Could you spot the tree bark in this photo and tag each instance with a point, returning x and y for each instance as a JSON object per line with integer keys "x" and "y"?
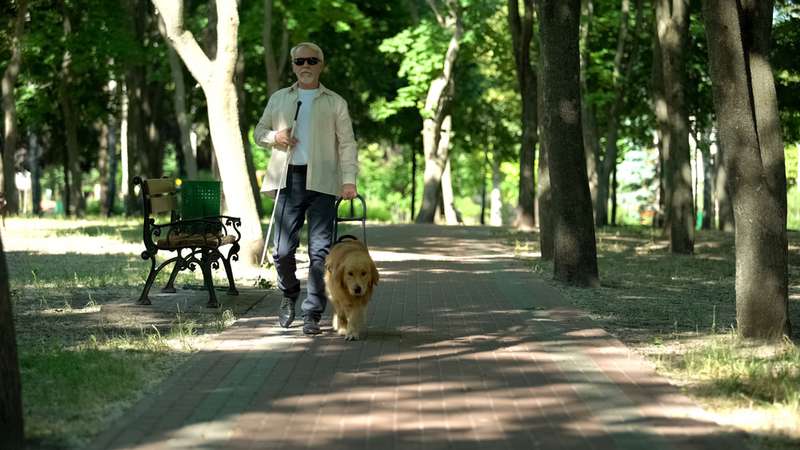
{"x": 451, "y": 216}
{"x": 622, "y": 72}
{"x": 673, "y": 31}
{"x": 275, "y": 62}
{"x": 248, "y": 149}
{"x": 74, "y": 204}
{"x": 113, "y": 162}
{"x": 725, "y": 221}
{"x": 521, "y": 38}
{"x": 216, "y": 79}
{"x": 575, "y": 257}
{"x": 496, "y": 199}
{"x": 34, "y": 160}
{"x": 544, "y": 194}
{"x": 746, "y": 105}
{"x": 11, "y": 418}
{"x": 435, "y": 138}
{"x": 591, "y": 144}
{"x": 104, "y": 156}
{"x": 10, "y": 137}
{"x": 179, "y": 101}
{"x": 133, "y": 121}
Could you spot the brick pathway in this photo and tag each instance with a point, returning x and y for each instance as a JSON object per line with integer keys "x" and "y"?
{"x": 465, "y": 350}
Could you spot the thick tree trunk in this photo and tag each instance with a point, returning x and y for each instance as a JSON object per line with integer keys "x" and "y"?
{"x": 11, "y": 418}
{"x": 747, "y": 112}
{"x": 575, "y": 258}
{"x": 7, "y": 165}
{"x": 435, "y": 132}
{"x": 216, "y": 78}
{"x": 521, "y": 37}
{"x": 673, "y": 31}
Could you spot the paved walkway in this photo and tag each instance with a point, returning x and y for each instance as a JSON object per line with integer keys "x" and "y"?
{"x": 465, "y": 350}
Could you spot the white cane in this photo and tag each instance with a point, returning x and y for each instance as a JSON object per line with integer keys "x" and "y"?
{"x": 284, "y": 174}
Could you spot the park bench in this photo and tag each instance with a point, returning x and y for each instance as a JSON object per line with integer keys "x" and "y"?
{"x": 193, "y": 232}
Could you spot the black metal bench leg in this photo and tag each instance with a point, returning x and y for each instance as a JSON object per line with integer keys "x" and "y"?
{"x": 169, "y": 288}
{"x": 229, "y": 272}
{"x": 151, "y": 277}
{"x": 205, "y": 266}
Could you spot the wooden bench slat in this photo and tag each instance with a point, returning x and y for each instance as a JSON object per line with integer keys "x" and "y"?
{"x": 163, "y": 203}
{"x": 160, "y": 185}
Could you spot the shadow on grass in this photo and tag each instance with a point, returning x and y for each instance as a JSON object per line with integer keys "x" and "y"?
{"x": 130, "y": 233}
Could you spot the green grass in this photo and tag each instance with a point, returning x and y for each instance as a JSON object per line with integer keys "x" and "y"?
{"x": 680, "y": 312}
{"x": 67, "y": 393}
{"x": 84, "y": 356}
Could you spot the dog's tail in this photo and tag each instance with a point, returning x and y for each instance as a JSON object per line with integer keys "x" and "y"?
{"x": 346, "y": 237}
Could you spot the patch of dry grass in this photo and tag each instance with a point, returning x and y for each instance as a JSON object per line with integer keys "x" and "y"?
{"x": 679, "y": 311}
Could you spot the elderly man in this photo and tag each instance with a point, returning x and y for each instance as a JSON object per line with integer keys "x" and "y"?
{"x": 323, "y": 163}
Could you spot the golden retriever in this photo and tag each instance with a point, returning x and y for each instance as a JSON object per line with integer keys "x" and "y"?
{"x": 350, "y": 276}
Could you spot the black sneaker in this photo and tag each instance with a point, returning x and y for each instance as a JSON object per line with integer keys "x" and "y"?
{"x": 286, "y": 312}
{"x": 311, "y": 326}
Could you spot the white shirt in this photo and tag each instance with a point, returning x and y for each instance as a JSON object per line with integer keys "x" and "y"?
{"x": 302, "y": 131}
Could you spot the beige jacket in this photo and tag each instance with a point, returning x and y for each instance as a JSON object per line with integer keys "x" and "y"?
{"x": 332, "y": 158}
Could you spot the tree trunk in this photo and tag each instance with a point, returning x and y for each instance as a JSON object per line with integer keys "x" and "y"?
{"x": 34, "y": 160}
{"x": 575, "y": 257}
{"x": 435, "y": 133}
{"x": 673, "y": 31}
{"x": 451, "y": 216}
{"x": 104, "y": 156}
{"x": 725, "y": 221}
{"x": 275, "y": 67}
{"x": 747, "y": 112}
{"x": 614, "y": 196}
{"x": 521, "y": 37}
{"x": 7, "y": 165}
{"x": 179, "y": 100}
{"x": 113, "y": 162}
{"x": 483, "y": 185}
{"x": 544, "y": 197}
{"x": 413, "y": 182}
{"x": 74, "y": 204}
{"x": 496, "y": 201}
{"x": 591, "y": 144}
{"x": 134, "y": 135}
{"x": 704, "y": 145}
{"x": 11, "y": 418}
{"x": 216, "y": 78}
{"x": 248, "y": 149}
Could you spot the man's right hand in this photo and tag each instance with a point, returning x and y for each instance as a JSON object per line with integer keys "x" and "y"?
{"x": 284, "y": 138}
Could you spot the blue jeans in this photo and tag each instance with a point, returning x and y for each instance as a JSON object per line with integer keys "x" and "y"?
{"x": 294, "y": 203}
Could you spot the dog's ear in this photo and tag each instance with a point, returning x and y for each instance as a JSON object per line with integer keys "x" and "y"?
{"x": 330, "y": 266}
{"x": 375, "y": 275}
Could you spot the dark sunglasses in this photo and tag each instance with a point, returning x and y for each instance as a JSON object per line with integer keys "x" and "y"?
{"x": 312, "y": 61}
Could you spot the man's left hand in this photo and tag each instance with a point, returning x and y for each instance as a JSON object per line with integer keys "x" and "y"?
{"x": 348, "y": 191}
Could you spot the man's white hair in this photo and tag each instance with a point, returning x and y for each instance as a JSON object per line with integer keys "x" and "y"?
{"x": 314, "y": 47}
